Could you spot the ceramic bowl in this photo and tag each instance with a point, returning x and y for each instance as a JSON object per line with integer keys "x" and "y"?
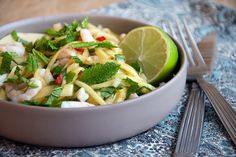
{"x": 79, "y": 127}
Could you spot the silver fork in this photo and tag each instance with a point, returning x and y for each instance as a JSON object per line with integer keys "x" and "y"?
{"x": 193, "y": 117}
{"x": 191, "y": 125}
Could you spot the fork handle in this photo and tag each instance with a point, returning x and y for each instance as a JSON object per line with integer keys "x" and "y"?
{"x": 225, "y": 112}
{"x": 191, "y": 126}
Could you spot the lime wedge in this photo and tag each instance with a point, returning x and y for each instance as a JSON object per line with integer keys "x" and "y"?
{"x": 153, "y": 49}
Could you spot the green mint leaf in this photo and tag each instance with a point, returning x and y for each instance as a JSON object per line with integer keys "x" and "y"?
{"x": 77, "y": 60}
{"x": 42, "y": 44}
{"x": 6, "y": 63}
{"x": 74, "y": 25}
{"x": 56, "y": 103}
{"x": 54, "y": 96}
{"x": 69, "y": 38}
{"x": 29, "y": 47}
{"x": 13, "y": 80}
{"x": 51, "y": 32}
{"x": 18, "y": 78}
{"x": 107, "y": 92}
{"x": 52, "y": 45}
{"x": 32, "y": 64}
{"x": 14, "y": 35}
{"x": 99, "y": 73}
{"x": 33, "y": 103}
{"x": 84, "y": 23}
{"x": 120, "y": 57}
{"x": 18, "y": 39}
{"x": 17, "y": 72}
{"x": 136, "y": 66}
{"x": 133, "y": 86}
{"x": 105, "y": 44}
{"x": 40, "y": 56}
{"x": 70, "y": 76}
{"x": 56, "y": 70}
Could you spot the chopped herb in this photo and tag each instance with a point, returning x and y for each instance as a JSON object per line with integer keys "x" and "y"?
{"x": 52, "y": 45}
{"x": 32, "y": 64}
{"x": 84, "y": 23}
{"x": 29, "y": 47}
{"x": 33, "y": 103}
{"x": 91, "y": 51}
{"x": 69, "y": 38}
{"x": 56, "y": 103}
{"x": 133, "y": 87}
{"x": 69, "y": 32}
{"x": 40, "y": 56}
{"x": 70, "y": 76}
{"x": 42, "y": 44}
{"x": 7, "y": 58}
{"x": 136, "y": 66}
{"x": 18, "y": 78}
{"x": 53, "y": 33}
{"x": 15, "y": 36}
{"x": 56, "y": 70}
{"x": 77, "y": 60}
{"x": 120, "y": 57}
{"x": 107, "y": 92}
{"x": 105, "y": 44}
{"x": 99, "y": 73}
{"x": 53, "y": 98}
{"x": 74, "y": 25}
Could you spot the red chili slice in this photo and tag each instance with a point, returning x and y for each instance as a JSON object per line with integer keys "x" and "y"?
{"x": 101, "y": 38}
{"x": 59, "y": 79}
{"x": 80, "y": 50}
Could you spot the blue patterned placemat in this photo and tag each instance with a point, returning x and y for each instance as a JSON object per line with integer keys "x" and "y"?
{"x": 203, "y": 17}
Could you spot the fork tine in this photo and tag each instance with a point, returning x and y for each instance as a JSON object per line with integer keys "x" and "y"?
{"x": 172, "y": 32}
{"x": 194, "y": 47}
{"x": 190, "y": 59}
{"x": 163, "y": 25}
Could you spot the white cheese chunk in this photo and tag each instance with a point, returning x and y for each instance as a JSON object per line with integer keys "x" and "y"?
{"x": 133, "y": 96}
{"x": 75, "y": 104}
{"x": 82, "y": 95}
{"x": 3, "y": 78}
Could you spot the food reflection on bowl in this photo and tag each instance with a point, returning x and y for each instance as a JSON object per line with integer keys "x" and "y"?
{"x": 92, "y": 125}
